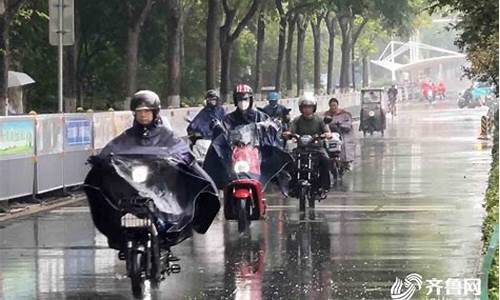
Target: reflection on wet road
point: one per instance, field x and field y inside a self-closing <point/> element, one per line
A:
<point x="412" y="204"/>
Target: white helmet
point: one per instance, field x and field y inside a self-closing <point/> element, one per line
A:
<point x="307" y="100"/>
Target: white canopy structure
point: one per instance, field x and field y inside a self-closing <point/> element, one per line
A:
<point x="414" y="60"/>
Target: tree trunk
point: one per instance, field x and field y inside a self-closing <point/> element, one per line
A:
<point x="366" y="71"/>
<point x="132" y="59"/>
<point x="301" y="34"/>
<point x="289" y="48"/>
<point x="10" y="10"/>
<point x="226" y="50"/>
<point x="281" y="53"/>
<point x="136" y="18"/>
<point x="70" y="78"/>
<point x="354" y="39"/>
<point x="261" y="29"/>
<point x="226" y="55"/>
<point x="227" y="39"/>
<point x="316" y="28"/>
<point x="4" y="64"/>
<point x="330" y="23"/>
<point x="345" y="48"/>
<point x="174" y="27"/>
<point x="353" y="67"/>
<point x="211" y="44"/>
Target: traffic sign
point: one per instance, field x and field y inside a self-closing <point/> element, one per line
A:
<point x="68" y="24"/>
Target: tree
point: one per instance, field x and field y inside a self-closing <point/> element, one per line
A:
<point x="281" y="45"/>
<point x="211" y="44"/>
<point x="302" y="22"/>
<point x="316" y="29"/>
<point x="227" y="38"/>
<point x="137" y="12"/>
<point x="292" y="20"/>
<point x="10" y="8"/>
<point x="478" y="24"/>
<point x="344" y="20"/>
<point x="287" y="19"/>
<point x="261" y="27"/>
<point x="174" y="51"/>
<point x="393" y="15"/>
<point x="356" y="32"/>
<point x="366" y="45"/>
<point x="330" y="25"/>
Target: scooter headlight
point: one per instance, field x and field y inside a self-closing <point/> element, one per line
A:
<point x="241" y="166"/>
<point x="306" y="139"/>
<point x="371" y="113"/>
<point x="140" y="174"/>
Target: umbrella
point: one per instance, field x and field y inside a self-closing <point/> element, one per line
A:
<point x="18" y="79"/>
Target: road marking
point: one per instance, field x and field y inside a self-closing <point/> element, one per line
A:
<point x="381" y="208"/>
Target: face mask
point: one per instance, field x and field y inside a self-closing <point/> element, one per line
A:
<point x="243" y="105"/>
<point x="212" y="102"/>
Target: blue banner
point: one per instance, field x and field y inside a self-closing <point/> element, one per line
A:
<point x="78" y="131"/>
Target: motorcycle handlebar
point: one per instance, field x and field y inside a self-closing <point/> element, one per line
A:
<point x="315" y="137"/>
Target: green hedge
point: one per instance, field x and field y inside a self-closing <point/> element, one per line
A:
<point x="491" y="205"/>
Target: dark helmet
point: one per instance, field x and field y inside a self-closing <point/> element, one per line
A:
<point x="145" y="100"/>
<point x="210" y="95"/>
<point x="242" y="92"/>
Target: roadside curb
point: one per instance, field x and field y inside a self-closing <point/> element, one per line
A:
<point x="33" y="209"/>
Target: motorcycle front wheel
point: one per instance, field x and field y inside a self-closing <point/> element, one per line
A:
<point x="136" y="277"/>
<point x="312" y="200"/>
<point x="243" y="218"/>
<point x="302" y="199"/>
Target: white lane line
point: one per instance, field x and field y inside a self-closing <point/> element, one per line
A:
<point x="382" y="208"/>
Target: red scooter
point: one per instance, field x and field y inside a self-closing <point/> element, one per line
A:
<point x="242" y="161"/>
<point x="244" y="197"/>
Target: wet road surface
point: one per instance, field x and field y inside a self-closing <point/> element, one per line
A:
<point x="411" y="204"/>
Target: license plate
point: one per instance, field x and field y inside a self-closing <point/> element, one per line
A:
<point x="131" y="221"/>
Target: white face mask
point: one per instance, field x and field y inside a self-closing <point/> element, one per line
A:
<point x="243" y="105"/>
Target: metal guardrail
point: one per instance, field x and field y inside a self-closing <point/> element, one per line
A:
<point x="488" y="260"/>
<point x="41" y="153"/>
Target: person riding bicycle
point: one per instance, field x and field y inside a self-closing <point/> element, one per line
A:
<point x="392" y="94"/>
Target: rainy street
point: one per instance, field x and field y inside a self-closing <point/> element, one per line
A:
<point x="411" y="204"/>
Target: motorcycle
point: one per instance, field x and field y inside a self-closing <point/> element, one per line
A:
<point x="307" y="158"/>
<point x="143" y="215"/>
<point x="199" y="145"/>
<point x="391" y="105"/>
<point x="372" y="116"/>
<point x="466" y="99"/>
<point x="334" y="147"/>
<point x="430" y="97"/>
<point x="243" y="161"/>
<point x="441" y="96"/>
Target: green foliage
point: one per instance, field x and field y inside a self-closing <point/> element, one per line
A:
<point x="103" y="38"/>
<point x="478" y="27"/>
<point x="366" y="44"/>
<point x="491" y="206"/>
